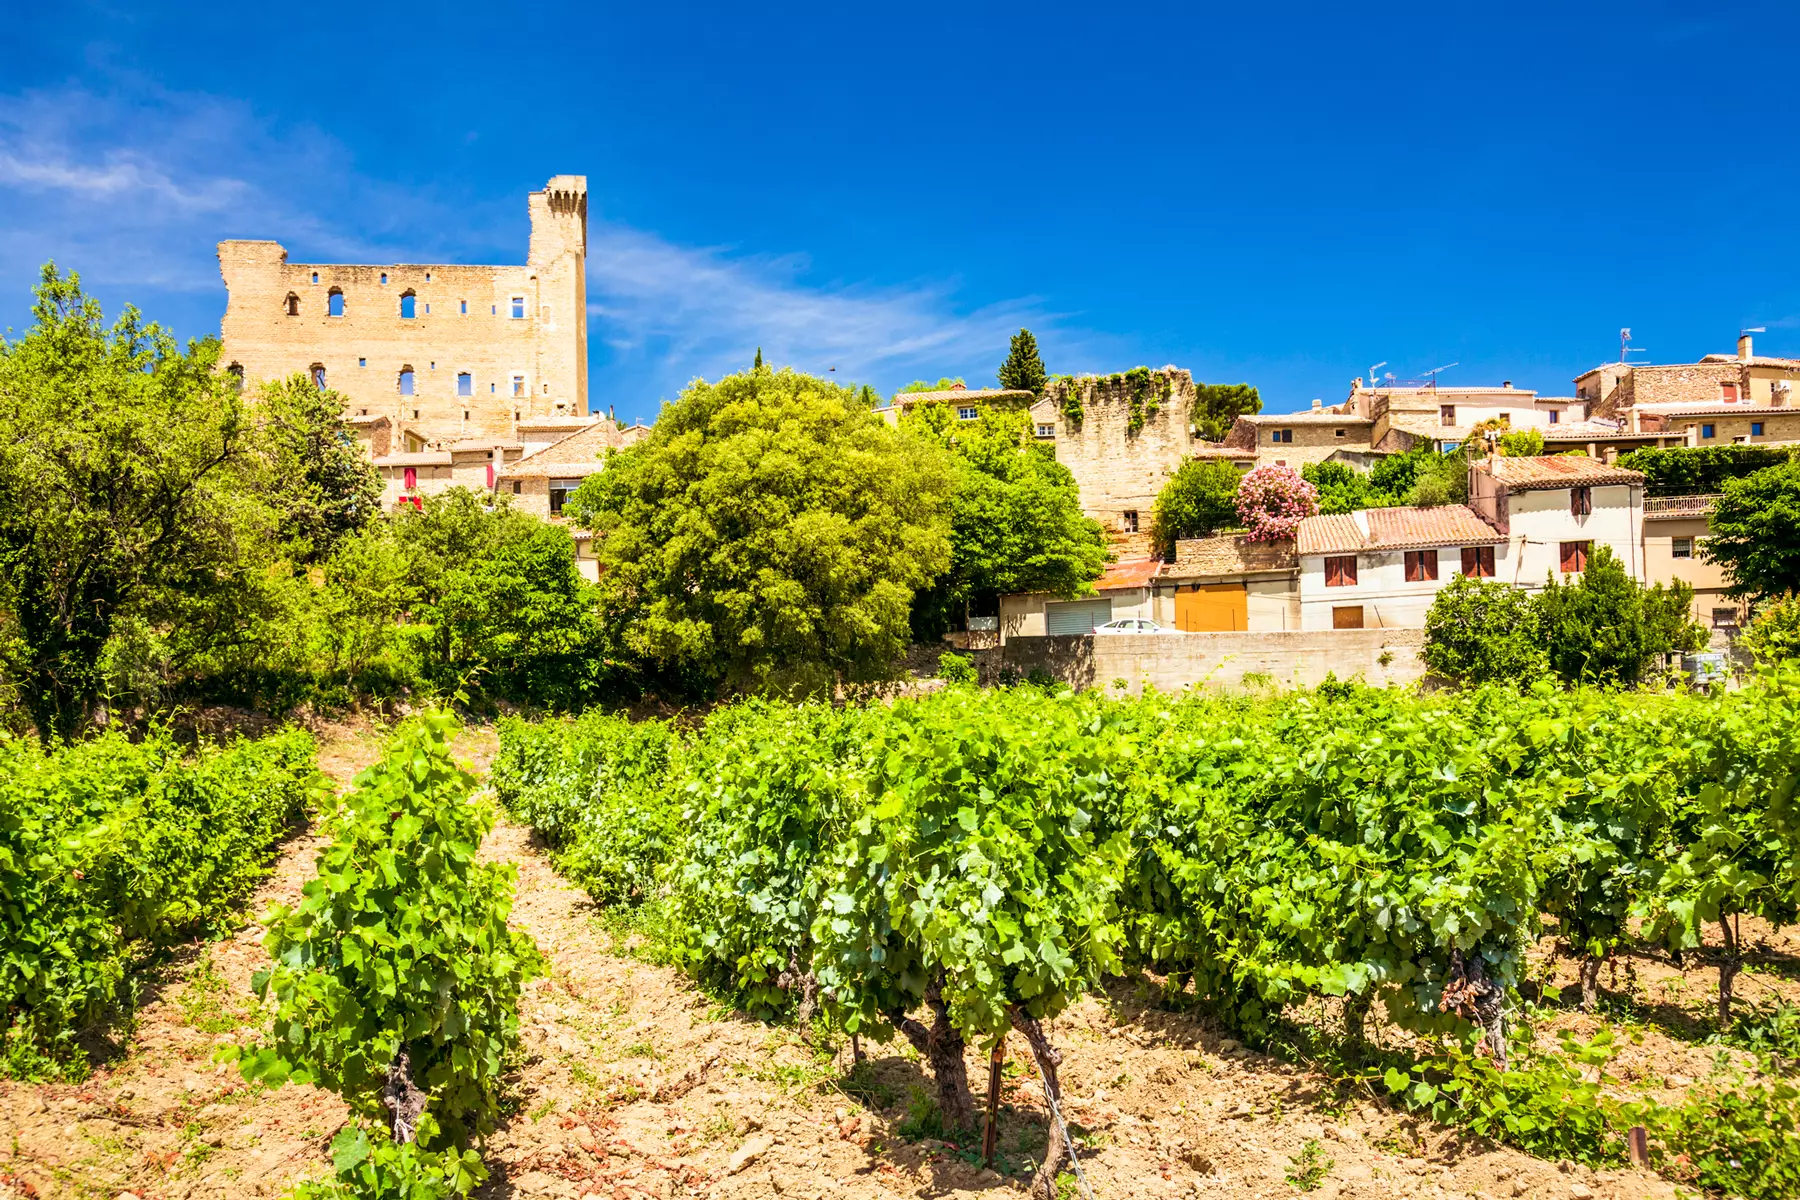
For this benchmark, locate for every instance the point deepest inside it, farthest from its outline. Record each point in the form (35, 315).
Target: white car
(1131, 625)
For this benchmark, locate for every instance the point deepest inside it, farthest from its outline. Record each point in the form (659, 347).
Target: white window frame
(520, 383)
(966, 413)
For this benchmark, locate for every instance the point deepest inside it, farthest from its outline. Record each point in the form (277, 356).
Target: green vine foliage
(1146, 391)
(1069, 398)
(110, 850)
(399, 952)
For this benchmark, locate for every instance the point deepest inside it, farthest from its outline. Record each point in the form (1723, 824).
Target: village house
(542, 481)
(1720, 400)
(409, 476)
(1381, 568)
(1301, 439)
(1401, 415)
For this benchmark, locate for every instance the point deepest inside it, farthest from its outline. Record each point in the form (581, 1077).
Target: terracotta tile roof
(1131, 573)
(556, 424)
(1395, 529)
(1556, 471)
(1588, 431)
(1757, 360)
(472, 445)
(1528, 393)
(365, 419)
(531, 468)
(1713, 408)
(1304, 418)
(1220, 450)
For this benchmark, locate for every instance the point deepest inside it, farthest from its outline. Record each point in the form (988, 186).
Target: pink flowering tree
(1272, 501)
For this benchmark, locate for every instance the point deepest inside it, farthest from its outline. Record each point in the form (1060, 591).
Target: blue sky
(1278, 194)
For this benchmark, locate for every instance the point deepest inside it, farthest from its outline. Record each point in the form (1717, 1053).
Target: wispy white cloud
(135, 186)
(707, 308)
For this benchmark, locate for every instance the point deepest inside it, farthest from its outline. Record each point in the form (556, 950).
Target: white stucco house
(1526, 519)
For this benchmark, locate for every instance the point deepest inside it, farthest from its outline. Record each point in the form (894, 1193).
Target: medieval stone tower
(447, 353)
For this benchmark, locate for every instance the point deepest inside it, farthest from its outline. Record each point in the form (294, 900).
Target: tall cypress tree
(757, 366)
(1023, 370)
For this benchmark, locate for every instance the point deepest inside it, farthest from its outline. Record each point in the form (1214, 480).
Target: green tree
(1483, 631)
(942, 385)
(1394, 474)
(1755, 532)
(1698, 470)
(1218, 405)
(1015, 515)
(1604, 627)
(1198, 501)
(1342, 488)
(1443, 478)
(318, 480)
(1023, 370)
(119, 460)
(1522, 443)
(770, 533)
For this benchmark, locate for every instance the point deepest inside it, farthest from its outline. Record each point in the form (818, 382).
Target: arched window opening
(293, 305)
(407, 304)
(234, 375)
(317, 372)
(334, 302)
(465, 384)
(406, 381)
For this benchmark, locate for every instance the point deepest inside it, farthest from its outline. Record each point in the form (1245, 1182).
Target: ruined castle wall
(518, 333)
(1120, 471)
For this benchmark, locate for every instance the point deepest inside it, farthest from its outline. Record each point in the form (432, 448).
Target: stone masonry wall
(531, 365)
(1174, 661)
(1117, 470)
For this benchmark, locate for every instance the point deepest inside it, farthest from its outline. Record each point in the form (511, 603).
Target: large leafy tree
(1023, 370)
(1755, 532)
(120, 496)
(1218, 405)
(1483, 631)
(944, 384)
(1015, 515)
(1198, 501)
(769, 534)
(1604, 627)
(319, 482)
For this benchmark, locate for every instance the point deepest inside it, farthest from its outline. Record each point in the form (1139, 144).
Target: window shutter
(412, 478)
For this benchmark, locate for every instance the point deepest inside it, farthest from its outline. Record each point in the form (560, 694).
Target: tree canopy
(1218, 405)
(1015, 514)
(1199, 500)
(1023, 370)
(1755, 532)
(769, 534)
(942, 385)
(118, 461)
(320, 483)
(1604, 627)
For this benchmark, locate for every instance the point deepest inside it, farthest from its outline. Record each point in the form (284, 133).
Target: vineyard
(1332, 922)
(985, 858)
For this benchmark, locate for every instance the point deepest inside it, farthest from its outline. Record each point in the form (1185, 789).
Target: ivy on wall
(1145, 393)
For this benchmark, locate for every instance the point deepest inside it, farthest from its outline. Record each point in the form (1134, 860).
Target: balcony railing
(1670, 507)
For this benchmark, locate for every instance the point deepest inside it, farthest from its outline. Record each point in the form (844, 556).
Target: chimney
(1318, 405)
(1506, 383)
(1743, 347)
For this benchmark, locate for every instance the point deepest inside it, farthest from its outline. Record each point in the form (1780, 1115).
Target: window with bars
(1340, 570)
(1421, 566)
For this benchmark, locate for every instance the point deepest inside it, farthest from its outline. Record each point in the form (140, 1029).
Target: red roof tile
(1556, 471)
(1132, 573)
(1396, 529)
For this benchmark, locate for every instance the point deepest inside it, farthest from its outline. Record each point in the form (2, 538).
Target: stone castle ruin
(445, 353)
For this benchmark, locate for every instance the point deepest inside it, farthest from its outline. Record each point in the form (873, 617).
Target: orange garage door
(1211, 607)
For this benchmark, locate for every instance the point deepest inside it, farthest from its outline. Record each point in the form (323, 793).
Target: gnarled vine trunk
(1590, 981)
(404, 1099)
(1728, 969)
(1471, 995)
(1356, 1017)
(942, 1046)
(1056, 1154)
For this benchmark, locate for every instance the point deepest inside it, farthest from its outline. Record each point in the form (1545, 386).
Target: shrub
(1698, 470)
(1272, 501)
(1604, 627)
(1774, 633)
(956, 668)
(1522, 443)
(396, 981)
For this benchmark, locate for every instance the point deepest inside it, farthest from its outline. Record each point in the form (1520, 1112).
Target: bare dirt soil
(634, 1085)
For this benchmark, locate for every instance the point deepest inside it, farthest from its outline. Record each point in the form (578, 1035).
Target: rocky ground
(636, 1085)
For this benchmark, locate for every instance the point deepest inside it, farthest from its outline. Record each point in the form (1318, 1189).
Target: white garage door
(1076, 616)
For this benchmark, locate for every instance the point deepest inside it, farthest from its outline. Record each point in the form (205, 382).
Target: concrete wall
(462, 323)
(1387, 599)
(1172, 662)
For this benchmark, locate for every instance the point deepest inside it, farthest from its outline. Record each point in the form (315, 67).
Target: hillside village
(475, 377)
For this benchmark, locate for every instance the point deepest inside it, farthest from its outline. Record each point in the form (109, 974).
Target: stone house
(409, 476)
(1126, 589)
(1301, 439)
(1719, 400)
(446, 352)
(1675, 528)
(542, 481)
(1230, 583)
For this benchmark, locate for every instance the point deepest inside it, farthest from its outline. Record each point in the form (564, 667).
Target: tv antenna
(1432, 374)
(1624, 346)
(1374, 369)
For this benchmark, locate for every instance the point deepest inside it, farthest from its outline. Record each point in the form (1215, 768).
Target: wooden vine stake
(991, 1135)
(1637, 1143)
